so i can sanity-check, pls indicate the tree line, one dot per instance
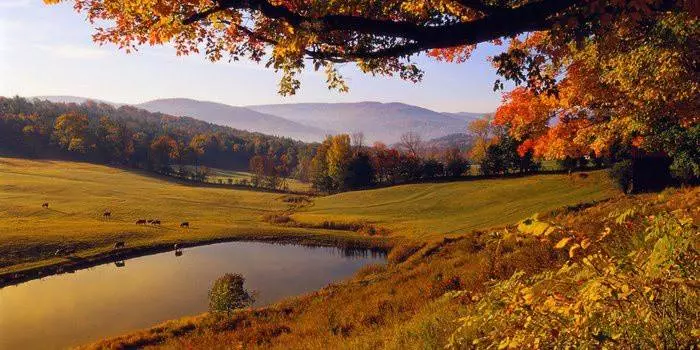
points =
(342, 162)
(128, 136)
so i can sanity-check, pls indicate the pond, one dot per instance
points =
(71, 309)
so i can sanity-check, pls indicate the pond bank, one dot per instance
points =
(72, 264)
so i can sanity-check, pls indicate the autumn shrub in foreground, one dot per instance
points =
(640, 294)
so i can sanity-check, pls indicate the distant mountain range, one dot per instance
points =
(384, 122)
(235, 117)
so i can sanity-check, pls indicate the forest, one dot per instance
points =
(132, 137)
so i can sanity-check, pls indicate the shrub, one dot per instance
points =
(641, 294)
(228, 294)
(621, 173)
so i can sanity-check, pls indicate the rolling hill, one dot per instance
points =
(236, 117)
(384, 122)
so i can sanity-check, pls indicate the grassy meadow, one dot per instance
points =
(432, 210)
(79, 193)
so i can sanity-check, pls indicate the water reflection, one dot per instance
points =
(71, 309)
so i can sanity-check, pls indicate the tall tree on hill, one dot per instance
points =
(338, 157)
(163, 151)
(481, 131)
(71, 132)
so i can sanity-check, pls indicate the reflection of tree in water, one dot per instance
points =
(353, 252)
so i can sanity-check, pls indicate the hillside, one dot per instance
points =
(384, 122)
(236, 117)
(78, 194)
(618, 274)
(433, 210)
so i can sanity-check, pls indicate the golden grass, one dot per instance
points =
(399, 306)
(427, 211)
(79, 193)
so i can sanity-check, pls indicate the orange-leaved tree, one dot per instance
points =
(381, 37)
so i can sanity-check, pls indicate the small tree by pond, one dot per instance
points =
(228, 294)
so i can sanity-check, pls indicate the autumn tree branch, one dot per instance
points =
(497, 22)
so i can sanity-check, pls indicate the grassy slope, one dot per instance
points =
(78, 194)
(403, 305)
(431, 210)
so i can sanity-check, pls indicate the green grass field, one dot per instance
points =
(430, 210)
(79, 193)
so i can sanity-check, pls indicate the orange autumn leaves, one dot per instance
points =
(530, 118)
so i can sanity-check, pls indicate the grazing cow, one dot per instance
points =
(119, 263)
(155, 222)
(141, 222)
(150, 221)
(185, 224)
(45, 205)
(119, 244)
(107, 214)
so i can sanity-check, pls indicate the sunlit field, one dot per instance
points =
(434, 210)
(78, 194)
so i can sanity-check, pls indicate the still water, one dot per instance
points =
(107, 300)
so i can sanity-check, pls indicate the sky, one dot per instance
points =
(48, 50)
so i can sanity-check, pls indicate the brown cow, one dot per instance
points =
(107, 214)
(119, 244)
(185, 224)
(155, 222)
(141, 222)
(45, 205)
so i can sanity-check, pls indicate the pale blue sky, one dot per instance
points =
(47, 50)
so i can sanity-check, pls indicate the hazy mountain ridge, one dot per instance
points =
(384, 122)
(236, 117)
(378, 121)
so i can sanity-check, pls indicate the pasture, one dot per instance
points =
(78, 195)
(432, 210)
